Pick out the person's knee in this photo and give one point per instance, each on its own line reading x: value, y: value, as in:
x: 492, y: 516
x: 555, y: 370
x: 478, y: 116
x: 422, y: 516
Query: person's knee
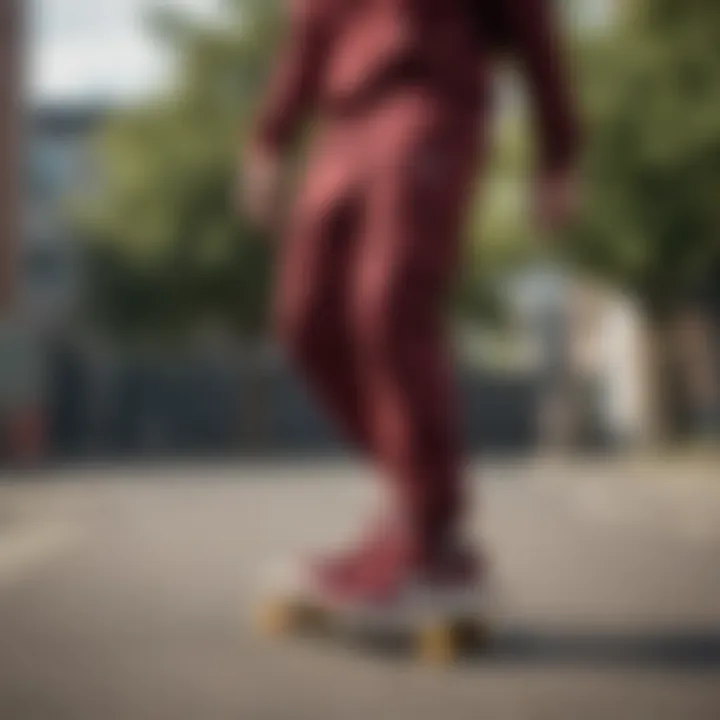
x: 380, y: 319
x: 399, y: 330
x: 304, y: 329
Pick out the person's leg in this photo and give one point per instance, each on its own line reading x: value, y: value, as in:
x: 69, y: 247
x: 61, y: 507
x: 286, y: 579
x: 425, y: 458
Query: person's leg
x: 313, y: 323
x: 312, y: 310
x: 406, y: 260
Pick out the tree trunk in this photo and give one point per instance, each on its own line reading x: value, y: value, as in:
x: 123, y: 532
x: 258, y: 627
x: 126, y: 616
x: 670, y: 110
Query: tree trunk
x: 700, y: 378
x: 659, y: 358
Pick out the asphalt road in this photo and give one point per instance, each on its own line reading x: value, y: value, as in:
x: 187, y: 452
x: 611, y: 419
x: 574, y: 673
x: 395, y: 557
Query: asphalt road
x: 125, y: 594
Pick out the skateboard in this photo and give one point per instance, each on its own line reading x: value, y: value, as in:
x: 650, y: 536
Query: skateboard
x: 436, y: 628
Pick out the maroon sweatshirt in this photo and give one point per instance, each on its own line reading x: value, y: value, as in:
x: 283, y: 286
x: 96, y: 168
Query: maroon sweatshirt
x: 343, y: 55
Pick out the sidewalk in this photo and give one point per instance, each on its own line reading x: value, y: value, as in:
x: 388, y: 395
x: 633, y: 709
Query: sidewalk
x: 139, y: 608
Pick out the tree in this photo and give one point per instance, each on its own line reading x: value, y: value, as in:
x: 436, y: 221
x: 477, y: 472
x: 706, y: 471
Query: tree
x: 166, y: 246
x: 652, y: 90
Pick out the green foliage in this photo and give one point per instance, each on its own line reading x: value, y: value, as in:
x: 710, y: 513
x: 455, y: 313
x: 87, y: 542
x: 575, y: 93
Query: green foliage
x: 166, y: 246
x: 169, y: 250
x: 652, y: 91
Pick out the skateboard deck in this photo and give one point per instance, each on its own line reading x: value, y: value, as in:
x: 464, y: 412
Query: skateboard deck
x: 437, y: 628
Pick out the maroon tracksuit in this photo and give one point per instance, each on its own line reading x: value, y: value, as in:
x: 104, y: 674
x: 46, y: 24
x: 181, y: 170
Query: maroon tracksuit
x: 400, y: 88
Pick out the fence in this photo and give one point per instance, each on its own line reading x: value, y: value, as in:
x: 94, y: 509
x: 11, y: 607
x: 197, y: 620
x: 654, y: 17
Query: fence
x: 252, y: 404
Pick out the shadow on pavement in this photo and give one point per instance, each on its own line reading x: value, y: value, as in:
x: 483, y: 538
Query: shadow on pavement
x: 691, y: 650
x: 517, y: 646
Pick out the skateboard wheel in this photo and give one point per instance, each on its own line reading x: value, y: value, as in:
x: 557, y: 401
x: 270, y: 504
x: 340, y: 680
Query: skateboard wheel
x: 443, y: 643
x: 277, y: 618
x: 438, y: 644
x: 284, y: 617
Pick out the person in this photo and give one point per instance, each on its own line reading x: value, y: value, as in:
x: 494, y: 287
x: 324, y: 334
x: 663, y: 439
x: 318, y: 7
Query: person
x: 401, y: 93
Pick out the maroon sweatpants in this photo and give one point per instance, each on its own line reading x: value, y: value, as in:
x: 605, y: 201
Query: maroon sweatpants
x: 370, y: 251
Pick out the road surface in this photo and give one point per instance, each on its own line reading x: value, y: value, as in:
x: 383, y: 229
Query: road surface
x: 125, y: 591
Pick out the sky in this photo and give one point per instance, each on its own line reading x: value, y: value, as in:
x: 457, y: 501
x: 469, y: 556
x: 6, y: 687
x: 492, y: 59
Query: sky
x: 97, y: 49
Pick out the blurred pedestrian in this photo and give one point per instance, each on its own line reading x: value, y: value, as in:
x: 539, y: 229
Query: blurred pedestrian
x: 401, y: 89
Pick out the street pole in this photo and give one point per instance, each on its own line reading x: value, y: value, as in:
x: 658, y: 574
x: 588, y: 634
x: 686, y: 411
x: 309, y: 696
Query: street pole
x: 11, y: 49
x: 21, y: 413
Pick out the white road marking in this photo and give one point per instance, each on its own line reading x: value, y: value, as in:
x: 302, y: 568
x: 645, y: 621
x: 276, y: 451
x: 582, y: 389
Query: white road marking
x: 29, y: 546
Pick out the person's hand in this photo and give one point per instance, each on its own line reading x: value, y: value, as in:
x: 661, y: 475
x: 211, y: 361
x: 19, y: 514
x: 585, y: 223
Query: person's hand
x: 557, y: 199
x: 259, y: 186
